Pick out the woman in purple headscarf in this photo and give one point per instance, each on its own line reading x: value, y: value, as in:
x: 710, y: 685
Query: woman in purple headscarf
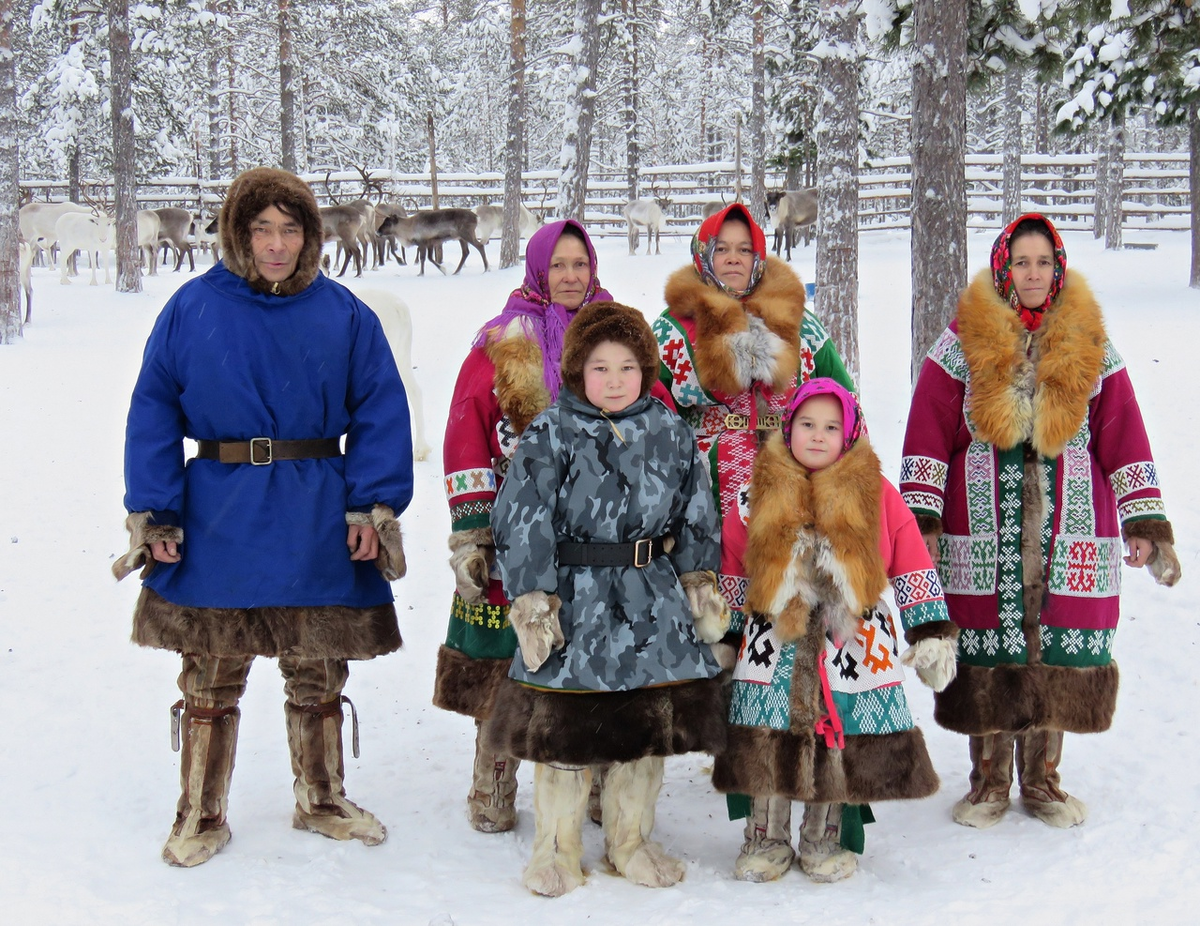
x: 511, y: 374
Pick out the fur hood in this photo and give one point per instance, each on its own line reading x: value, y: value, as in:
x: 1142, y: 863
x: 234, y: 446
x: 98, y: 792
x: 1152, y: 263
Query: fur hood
x: 1042, y: 397
x: 814, y: 538
x: 740, y: 341
x: 251, y: 193
x: 608, y: 321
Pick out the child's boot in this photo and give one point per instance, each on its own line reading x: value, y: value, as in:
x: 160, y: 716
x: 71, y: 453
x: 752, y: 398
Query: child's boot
x: 560, y: 798
x: 767, y: 851
x: 1038, y: 755
x: 491, y: 805
x: 628, y: 798
x: 991, y: 780
x: 822, y: 856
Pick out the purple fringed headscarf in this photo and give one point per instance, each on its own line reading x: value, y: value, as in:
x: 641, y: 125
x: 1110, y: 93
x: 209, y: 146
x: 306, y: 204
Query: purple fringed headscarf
x: 544, y: 320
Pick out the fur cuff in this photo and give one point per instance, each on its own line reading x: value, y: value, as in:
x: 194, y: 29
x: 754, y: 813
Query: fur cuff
x: 934, y: 659
x: 471, y: 559
x: 141, y: 535
x: 1151, y: 529
x: 710, y: 612
x: 929, y: 524
x: 935, y: 630
x: 534, y: 617
x: 390, y: 560
x: 1164, y: 564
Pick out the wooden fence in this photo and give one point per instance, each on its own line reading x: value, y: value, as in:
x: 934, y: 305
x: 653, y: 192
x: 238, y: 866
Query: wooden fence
x: 1155, y: 191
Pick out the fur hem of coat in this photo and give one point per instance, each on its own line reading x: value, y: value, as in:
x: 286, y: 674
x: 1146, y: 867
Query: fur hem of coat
x: 1043, y: 397
x: 520, y: 390
x: 812, y: 530
x: 762, y: 763
x: 1015, y: 698
x: 723, y: 325
x: 319, y: 632
x: 465, y: 685
x: 585, y: 728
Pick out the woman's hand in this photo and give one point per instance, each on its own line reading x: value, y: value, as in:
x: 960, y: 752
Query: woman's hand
x: 1139, y: 551
x: 363, y: 542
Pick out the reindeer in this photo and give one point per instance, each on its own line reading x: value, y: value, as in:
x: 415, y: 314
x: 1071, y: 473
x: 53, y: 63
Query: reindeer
x: 25, y: 260
x: 386, y: 242
x: 712, y: 208
x: 148, y: 227
x: 174, y: 227
x: 397, y: 326
x: 648, y: 212
x: 788, y: 211
x: 366, y: 232
x: 491, y: 218
x: 89, y: 232
x: 344, y: 223
x: 429, y: 228
x: 37, y: 221
x: 208, y: 236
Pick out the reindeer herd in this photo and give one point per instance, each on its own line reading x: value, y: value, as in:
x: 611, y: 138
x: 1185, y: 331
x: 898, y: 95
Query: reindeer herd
x: 361, y: 230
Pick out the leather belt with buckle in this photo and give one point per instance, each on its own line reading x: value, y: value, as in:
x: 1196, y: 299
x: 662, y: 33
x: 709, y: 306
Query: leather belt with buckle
x: 736, y: 422
x: 260, y: 451
x: 638, y: 554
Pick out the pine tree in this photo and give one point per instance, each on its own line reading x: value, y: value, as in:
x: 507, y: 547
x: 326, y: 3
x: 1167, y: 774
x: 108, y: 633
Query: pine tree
x: 10, y: 290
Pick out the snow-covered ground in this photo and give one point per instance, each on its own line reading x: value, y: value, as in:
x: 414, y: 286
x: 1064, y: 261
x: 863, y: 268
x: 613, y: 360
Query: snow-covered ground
x: 88, y: 782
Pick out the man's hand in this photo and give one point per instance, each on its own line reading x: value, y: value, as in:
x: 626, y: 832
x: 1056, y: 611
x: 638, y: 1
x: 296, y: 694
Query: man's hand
x: 165, y: 551
x: 362, y: 541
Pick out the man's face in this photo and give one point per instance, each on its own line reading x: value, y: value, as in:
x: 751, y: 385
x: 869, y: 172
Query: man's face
x: 276, y: 239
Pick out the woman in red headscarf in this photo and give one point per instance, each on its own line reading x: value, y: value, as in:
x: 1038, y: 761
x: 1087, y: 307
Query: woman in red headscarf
x: 735, y: 342
x: 1027, y: 465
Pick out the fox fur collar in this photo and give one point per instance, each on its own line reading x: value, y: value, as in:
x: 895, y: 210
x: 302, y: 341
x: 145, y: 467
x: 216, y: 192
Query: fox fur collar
x: 740, y: 342
x: 520, y: 390
x: 1042, y: 396
x: 814, y: 539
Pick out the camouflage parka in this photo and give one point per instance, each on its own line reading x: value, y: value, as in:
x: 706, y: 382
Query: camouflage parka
x: 580, y: 474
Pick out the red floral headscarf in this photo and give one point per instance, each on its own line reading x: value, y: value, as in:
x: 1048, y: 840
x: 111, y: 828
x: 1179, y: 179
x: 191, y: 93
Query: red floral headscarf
x: 704, y: 242
x: 1002, y: 270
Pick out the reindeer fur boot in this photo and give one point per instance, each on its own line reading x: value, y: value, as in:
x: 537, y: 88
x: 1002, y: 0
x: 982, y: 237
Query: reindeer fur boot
x: 315, y: 741
x: 595, y: 807
x: 991, y: 781
x: 822, y: 856
x: 209, y: 744
x: 559, y: 801
x: 767, y: 851
x: 628, y: 799
x: 1038, y: 755
x: 491, y: 805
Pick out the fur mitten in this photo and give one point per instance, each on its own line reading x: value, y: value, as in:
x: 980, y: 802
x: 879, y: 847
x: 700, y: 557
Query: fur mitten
x: 934, y: 659
x: 471, y: 555
x: 534, y: 617
x: 1164, y: 564
x: 141, y: 534
x: 390, y: 560
x: 710, y: 613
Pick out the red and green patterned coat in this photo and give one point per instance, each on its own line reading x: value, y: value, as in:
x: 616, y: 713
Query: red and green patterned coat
x: 1028, y: 454
x: 731, y: 365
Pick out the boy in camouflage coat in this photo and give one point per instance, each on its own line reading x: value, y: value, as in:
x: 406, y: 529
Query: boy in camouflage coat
x: 606, y: 540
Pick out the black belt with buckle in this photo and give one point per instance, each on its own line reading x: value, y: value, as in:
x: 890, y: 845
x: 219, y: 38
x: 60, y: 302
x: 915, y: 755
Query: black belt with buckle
x: 639, y: 553
x: 259, y: 451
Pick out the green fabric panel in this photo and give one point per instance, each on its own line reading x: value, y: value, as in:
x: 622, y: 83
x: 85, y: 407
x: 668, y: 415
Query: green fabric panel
x: 481, y: 631
x: 739, y: 806
x: 828, y: 362
x: 854, y: 820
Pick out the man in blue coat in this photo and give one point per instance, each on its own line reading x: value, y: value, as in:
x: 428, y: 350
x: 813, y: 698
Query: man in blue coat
x: 273, y: 540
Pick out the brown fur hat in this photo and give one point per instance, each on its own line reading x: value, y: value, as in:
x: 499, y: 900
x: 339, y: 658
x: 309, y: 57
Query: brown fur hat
x: 251, y: 193
x: 608, y: 321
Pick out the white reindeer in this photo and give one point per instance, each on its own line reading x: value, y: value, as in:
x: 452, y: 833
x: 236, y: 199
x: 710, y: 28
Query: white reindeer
x: 491, y: 219
x: 647, y: 212
x: 25, y: 253
x: 37, y: 221
x: 148, y: 227
x: 397, y: 326
x: 88, y: 232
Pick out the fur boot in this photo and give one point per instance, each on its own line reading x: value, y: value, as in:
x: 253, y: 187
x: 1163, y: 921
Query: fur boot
x: 628, y: 799
x: 1038, y: 755
x: 209, y: 744
x: 491, y: 803
x: 559, y: 802
x: 315, y: 741
x: 595, y: 808
x: 822, y: 856
x: 767, y: 851
x: 991, y: 780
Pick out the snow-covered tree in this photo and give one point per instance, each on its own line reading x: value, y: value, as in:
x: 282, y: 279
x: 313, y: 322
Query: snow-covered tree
x: 129, y: 263
x: 10, y: 291
x: 575, y: 158
x: 514, y: 147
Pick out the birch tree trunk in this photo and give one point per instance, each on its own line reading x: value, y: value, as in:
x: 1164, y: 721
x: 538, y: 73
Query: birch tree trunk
x: 837, y: 177
x: 629, y: 113
x: 1194, y: 173
x: 1013, y: 143
x: 1115, y: 186
x: 287, y: 93
x: 939, y: 199
x: 129, y: 263
x: 514, y: 145
x: 575, y: 158
x: 758, y: 115
x: 10, y: 287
